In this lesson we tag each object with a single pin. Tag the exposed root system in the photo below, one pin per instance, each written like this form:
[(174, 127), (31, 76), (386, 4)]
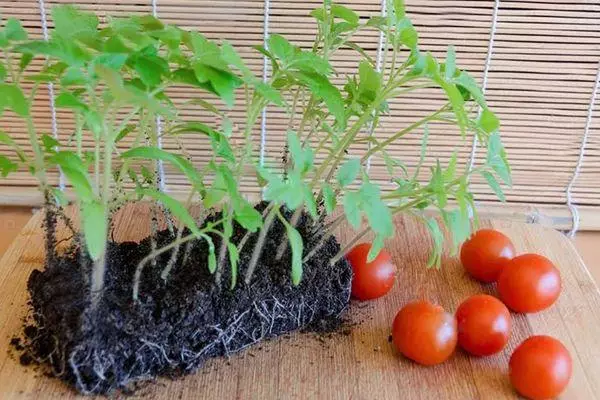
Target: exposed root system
[(177, 324)]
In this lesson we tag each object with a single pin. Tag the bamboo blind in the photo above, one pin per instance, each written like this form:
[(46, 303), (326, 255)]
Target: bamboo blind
[(541, 58)]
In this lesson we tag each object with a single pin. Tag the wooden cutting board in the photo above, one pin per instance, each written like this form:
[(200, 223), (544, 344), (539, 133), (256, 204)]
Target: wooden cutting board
[(362, 364)]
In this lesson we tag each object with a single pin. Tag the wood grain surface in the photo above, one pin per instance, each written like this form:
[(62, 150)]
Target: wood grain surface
[(362, 364)]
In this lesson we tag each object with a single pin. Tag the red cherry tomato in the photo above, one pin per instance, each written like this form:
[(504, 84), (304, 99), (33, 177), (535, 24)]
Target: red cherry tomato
[(425, 333), (529, 283), (485, 254), (540, 368), (371, 279), (483, 325)]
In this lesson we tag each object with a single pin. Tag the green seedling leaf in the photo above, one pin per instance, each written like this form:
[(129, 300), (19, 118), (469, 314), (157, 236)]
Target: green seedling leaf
[(302, 156), (68, 100), (329, 198), (281, 48), (297, 246), (459, 225), (406, 34), (326, 91), (360, 50), (95, 224), (177, 161), (438, 242), (246, 215), (73, 76), (488, 121), (3, 72), (50, 143), (76, 172), (309, 200), (376, 248), (399, 9), (348, 15), (124, 132), (378, 214), (7, 166), (234, 258), (496, 159), (351, 202), (494, 185), (370, 80), (14, 30), (206, 105), (94, 123), (114, 61), (348, 172), (466, 81), (11, 96), (451, 168), (71, 23), (450, 66), (212, 258), (174, 206), (23, 62)]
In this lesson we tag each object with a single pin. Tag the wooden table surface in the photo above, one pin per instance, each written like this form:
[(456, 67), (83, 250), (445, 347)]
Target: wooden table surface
[(363, 364)]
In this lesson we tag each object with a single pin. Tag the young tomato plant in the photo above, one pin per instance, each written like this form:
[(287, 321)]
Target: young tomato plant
[(116, 80)]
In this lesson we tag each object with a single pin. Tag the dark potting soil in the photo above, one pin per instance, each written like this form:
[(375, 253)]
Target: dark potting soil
[(178, 324)]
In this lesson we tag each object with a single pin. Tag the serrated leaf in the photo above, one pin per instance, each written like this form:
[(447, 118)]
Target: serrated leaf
[(95, 224), (399, 9), (76, 172), (23, 62), (50, 143), (280, 47), (376, 247), (13, 30), (348, 172), (174, 206), (496, 159), (71, 23), (459, 225), (73, 76), (68, 100), (466, 81), (124, 132), (345, 13), (309, 201), (246, 215), (370, 80), (488, 121), (12, 97), (494, 185), (329, 199), (177, 161), (326, 91), (351, 202), (7, 166)]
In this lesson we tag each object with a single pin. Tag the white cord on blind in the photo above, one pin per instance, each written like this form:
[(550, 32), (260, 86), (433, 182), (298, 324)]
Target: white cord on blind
[(263, 122), (160, 165), (572, 206), (378, 66), (486, 71), (61, 176)]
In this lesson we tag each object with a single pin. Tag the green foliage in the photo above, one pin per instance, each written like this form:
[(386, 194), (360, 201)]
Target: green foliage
[(130, 66)]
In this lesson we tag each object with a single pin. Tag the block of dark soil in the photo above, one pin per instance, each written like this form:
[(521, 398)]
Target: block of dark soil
[(178, 324)]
